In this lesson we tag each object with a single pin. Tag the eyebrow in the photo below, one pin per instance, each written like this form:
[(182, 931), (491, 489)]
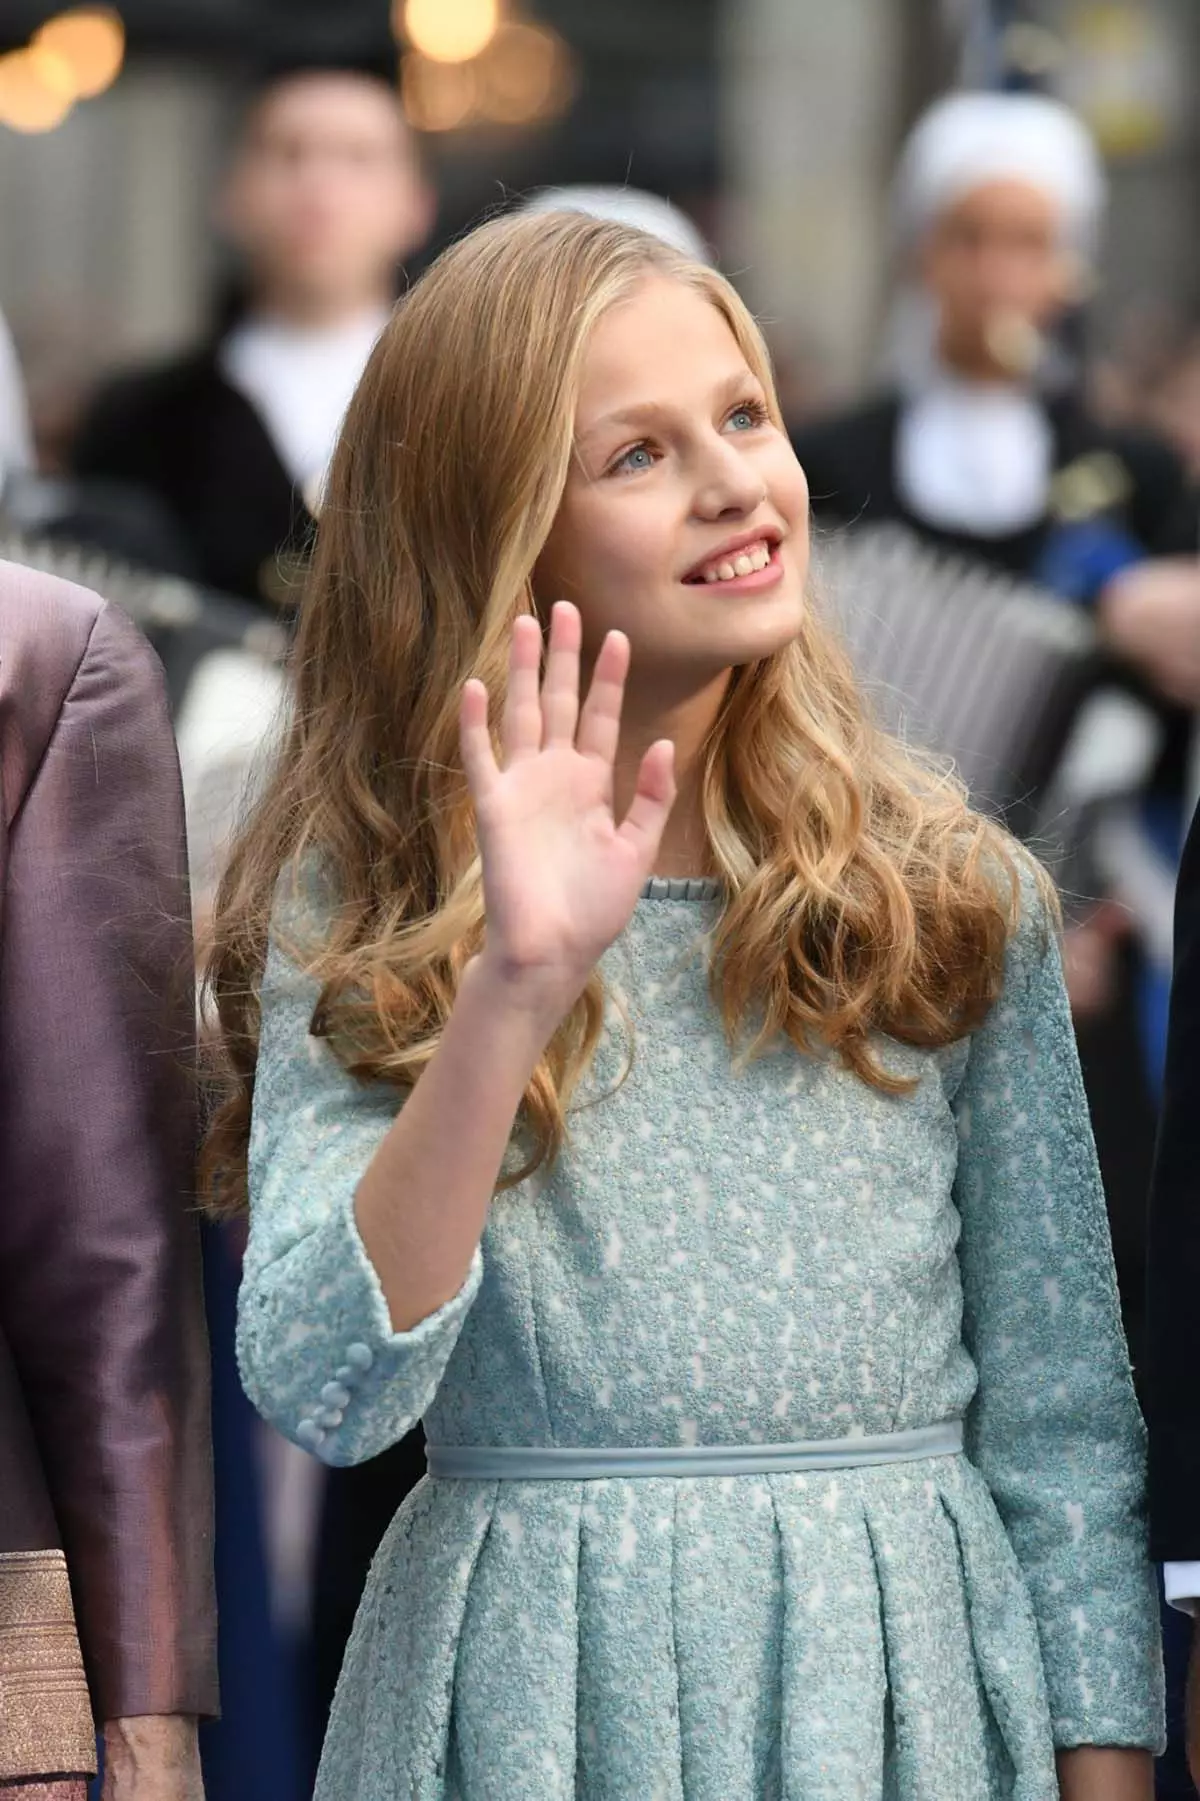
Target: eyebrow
[(648, 411)]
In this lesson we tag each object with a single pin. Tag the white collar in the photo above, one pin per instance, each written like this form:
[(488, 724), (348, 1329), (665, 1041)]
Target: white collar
[(975, 457), (299, 380)]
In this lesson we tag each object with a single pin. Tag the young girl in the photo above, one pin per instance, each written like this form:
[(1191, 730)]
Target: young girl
[(679, 1112)]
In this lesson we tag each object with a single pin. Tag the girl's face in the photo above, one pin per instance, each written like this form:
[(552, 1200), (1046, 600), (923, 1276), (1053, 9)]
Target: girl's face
[(684, 522)]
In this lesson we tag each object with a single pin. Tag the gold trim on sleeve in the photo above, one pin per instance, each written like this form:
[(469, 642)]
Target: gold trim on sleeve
[(45, 1714)]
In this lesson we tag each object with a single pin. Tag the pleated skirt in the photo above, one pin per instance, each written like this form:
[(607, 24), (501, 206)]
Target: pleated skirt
[(859, 1635)]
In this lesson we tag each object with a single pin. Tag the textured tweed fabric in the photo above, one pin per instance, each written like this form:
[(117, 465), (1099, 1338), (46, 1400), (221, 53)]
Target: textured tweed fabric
[(720, 1257)]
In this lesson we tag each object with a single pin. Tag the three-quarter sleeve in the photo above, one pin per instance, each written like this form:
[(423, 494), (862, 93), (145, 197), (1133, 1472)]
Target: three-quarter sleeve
[(316, 1349), (1054, 1427)]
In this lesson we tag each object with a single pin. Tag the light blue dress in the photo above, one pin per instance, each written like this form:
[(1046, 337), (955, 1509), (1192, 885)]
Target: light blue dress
[(718, 1258)]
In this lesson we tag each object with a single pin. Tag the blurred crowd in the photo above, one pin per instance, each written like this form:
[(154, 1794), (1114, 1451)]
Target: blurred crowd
[(1041, 495)]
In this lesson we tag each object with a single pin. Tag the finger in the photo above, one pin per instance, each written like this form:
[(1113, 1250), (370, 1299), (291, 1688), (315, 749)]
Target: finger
[(560, 690), (475, 741), (521, 724), (600, 718), (653, 798)]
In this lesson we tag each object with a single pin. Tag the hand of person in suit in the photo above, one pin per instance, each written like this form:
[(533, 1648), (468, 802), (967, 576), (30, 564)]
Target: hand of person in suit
[(152, 1757)]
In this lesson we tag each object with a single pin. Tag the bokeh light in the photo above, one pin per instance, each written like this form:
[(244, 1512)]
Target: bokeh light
[(53, 71), (525, 74), (437, 96), (448, 31), (90, 40), (35, 91)]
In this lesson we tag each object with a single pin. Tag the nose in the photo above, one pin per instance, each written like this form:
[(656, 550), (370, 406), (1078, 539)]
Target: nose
[(728, 483)]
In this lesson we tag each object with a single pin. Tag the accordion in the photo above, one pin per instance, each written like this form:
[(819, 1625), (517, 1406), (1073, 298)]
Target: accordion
[(961, 660)]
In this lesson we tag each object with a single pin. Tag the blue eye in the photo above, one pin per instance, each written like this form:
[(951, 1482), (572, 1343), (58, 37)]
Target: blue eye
[(752, 413), (628, 460)]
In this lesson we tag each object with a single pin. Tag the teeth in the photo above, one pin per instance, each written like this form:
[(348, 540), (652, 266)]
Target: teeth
[(746, 562)]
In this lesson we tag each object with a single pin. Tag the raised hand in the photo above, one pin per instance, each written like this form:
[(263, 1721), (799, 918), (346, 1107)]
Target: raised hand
[(560, 875)]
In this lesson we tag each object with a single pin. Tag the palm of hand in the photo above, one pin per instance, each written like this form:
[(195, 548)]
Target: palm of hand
[(561, 876), (558, 876)]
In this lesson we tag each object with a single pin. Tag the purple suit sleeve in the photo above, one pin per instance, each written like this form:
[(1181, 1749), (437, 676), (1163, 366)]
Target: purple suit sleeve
[(100, 1292)]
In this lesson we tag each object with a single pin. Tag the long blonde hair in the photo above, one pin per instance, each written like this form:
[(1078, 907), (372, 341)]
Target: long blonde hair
[(861, 891)]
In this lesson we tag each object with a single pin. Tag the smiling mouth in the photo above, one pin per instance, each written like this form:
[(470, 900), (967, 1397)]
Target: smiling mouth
[(748, 559)]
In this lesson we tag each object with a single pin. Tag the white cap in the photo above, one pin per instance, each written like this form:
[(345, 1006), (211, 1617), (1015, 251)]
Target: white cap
[(625, 206), (966, 140)]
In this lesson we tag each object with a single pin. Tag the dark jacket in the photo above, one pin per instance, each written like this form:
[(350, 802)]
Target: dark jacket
[(1172, 1395), (185, 435), (850, 462), (104, 1440)]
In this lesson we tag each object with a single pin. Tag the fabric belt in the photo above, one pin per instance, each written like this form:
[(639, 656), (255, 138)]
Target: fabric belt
[(587, 1463)]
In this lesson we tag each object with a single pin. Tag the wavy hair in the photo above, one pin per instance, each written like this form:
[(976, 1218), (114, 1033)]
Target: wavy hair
[(863, 896)]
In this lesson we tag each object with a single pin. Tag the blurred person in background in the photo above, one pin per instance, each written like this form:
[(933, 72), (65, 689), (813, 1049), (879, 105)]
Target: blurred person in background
[(983, 445), (323, 201), (105, 1473), (981, 441)]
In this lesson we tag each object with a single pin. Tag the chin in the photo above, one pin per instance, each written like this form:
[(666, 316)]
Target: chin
[(706, 644), (749, 648), (761, 652), (775, 627)]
